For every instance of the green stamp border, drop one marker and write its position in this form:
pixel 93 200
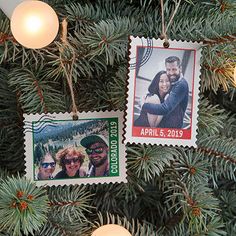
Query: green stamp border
pixel 112 139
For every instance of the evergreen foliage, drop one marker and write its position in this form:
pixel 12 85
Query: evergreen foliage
pixel 23 207
pixel 174 191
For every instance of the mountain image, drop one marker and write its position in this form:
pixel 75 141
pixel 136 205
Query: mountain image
pixel 62 130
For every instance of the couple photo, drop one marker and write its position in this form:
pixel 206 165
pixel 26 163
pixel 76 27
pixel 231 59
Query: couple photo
pixel 72 150
pixel 163 95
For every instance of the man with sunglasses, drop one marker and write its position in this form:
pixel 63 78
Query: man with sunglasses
pixel 97 150
pixel 46 167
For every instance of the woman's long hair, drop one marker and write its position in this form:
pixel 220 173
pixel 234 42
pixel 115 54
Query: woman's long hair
pixel 154 86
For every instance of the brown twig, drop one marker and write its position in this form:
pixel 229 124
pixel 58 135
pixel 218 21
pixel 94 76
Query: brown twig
pixel 216 69
pixel 209 151
pixel 39 92
pixel 221 40
pixel 4 37
pixel 76 203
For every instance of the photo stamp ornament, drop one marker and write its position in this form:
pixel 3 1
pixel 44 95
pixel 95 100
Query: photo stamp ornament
pixel 163 92
pixel 60 150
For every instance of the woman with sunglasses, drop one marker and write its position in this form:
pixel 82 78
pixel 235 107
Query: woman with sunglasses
pixel 46 167
pixel 71 160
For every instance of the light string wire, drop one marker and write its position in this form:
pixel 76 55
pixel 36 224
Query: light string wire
pixel 164 27
pixel 68 71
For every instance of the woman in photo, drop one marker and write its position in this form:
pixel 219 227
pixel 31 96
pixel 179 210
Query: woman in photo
pixel 71 160
pixel 46 167
pixel 158 91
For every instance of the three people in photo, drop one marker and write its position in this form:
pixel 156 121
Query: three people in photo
pixel 167 99
pixel 71 160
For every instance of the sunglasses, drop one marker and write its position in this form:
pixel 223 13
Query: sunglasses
pixel 47 164
pixel 69 161
pixel 97 150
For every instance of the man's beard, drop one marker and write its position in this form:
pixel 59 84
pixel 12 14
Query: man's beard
pixel 174 78
pixel 98 163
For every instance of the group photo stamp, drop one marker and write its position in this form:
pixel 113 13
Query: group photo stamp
pixel 63 151
pixel 163 92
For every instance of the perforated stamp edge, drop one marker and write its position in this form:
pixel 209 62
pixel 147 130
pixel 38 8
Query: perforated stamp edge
pixel 151 43
pixel 54 117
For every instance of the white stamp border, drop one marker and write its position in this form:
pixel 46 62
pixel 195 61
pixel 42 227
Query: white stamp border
pixel 29 158
pixel 150 43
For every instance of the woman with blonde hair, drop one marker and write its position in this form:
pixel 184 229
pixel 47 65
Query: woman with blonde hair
pixel 71 160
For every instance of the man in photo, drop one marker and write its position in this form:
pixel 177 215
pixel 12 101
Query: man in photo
pixel 174 106
pixel 97 150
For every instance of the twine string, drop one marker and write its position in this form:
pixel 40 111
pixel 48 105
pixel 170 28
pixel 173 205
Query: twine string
pixel 68 71
pixel 164 27
pixel 163 21
pixel 173 15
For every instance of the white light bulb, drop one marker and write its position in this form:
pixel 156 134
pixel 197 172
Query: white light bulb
pixel 111 230
pixel 34 24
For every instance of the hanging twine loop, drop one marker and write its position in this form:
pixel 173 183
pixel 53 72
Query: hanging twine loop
pixel 165 28
pixel 68 67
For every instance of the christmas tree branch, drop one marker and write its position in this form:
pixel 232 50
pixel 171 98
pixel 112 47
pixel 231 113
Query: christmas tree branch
pixel 168 190
pixel 36 93
pixel 51 229
pixel 149 161
pixel 223 39
pixel 216 154
pixel 21 201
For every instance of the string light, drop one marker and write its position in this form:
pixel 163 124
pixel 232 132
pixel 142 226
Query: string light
pixel 111 230
pixel 34 24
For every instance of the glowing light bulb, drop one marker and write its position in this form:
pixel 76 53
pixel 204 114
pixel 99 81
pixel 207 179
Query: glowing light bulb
pixel 34 24
pixel 111 230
